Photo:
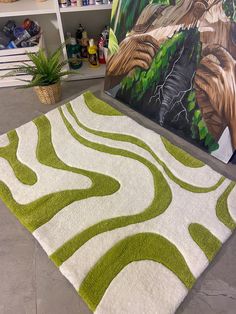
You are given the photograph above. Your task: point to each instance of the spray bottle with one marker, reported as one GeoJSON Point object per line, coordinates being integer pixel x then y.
{"type": "Point", "coordinates": [101, 55]}
{"type": "Point", "coordinates": [92, 54]}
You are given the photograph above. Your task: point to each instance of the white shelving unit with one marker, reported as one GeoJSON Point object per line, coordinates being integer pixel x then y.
{"type": "Point", "coordinates": [85, 72]}
{"type": "Point", "coordinates": [86, 8]}
{"type": "Point", "coordinates": [56, 22]}
{"type": "Point", "coordinates": [26, 7]}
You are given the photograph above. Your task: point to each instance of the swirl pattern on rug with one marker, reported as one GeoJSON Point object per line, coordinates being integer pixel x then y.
{"type": "Point", "coordinates": [130, 219]}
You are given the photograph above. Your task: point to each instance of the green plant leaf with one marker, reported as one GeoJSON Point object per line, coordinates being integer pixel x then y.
{"type": "Point", "coordinates": [32, 83]}
{"type": "Point", "coordinates": [64, 73]}
{"type": "Point", "coordinates": [58, 52]}
{"type": "Point", "coordinates": [45, 70]}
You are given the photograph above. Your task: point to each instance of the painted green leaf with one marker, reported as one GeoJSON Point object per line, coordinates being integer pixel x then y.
{"type": "Point", "coordinates": [197, 115]}
{"type": "Point", "coordinates": [114, 8]}
{"type": "Point", "coordinates": [191, 105]}
{"type": "Point", "coordinates": [113, 43]}
{"type": "Point", "coordinates": [209, 139]}
{"type": "Point", "coordinates": [229, 7]}
{"type": "Point", "coordinates": [203, 132]}
{"type": "Point", "coordinates": [213, 147]}
{"type": "Point", "coordinates": [191, 96]}
{"type": "Point", "coordinates": [158, 68]}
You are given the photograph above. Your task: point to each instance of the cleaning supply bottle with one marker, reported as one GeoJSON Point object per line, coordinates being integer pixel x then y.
{"type": "Point", "coordinates": [73, 3]}
{"type": "Point", "coordinates": [105, 34]}
{"type": "Point", "coordinates": [75, 60]}
{"type": "Point", "coordinates": [32, 27]}
{"type": "Point", "coordinates": [79, 34]}
{"type": "Point", "coordinates": [92, 54]}
{"type": "Point", "coordinates": [8, 29]}
{"type": "Point", "coordinates": [101, 55]}
{"type": "Point", "coordinates": [84, 45]}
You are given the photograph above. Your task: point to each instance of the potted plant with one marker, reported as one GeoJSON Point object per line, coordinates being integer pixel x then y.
{"type": "Point", "coordinates": [46, 72]}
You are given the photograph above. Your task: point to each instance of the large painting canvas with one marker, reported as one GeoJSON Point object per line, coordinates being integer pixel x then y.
{"type": "Point", "coordinates": [175, 62]}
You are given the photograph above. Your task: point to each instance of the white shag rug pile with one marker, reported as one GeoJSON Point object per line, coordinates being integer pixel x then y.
{"type": "Point", "coordinates": [130, 219]}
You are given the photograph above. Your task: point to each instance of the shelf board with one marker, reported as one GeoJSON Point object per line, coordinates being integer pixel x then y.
{"type": "Point", "coordinates": [86, 72]}
{"type": "Point", "coordinates": [94, 7]}
{"type": "Point", "coordinates": [13, 81]}
{"type": "Point", "coordinates": [26, 7]}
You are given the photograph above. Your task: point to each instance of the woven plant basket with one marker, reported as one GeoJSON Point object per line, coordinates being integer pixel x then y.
{"type": "Point", "coordinates": [7, 1]}
{"type": "Point", "coordinates": [49, 95]}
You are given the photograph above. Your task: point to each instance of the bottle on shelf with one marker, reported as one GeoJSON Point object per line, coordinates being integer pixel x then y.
{"type": "Point", "coordinates": [105, 34]}
{"type": "Point", "coordinates": [74, 54]}
{"type": "Point", "coordinates": [73, 3]}
{"type": "Point", "coordinates": [84, 45]}
{"type": "Point", "coordinates": [79, 34]}
{"type": "Point", "coordinates": [64, 3]}
{"type": "Point", "coordinates": [101, 54]}
{"type": "Point", "coordinates": [8, 29]}
{"type": "Point", "coordinates": [92, 54]}
{"type": "Point", "coordinates": [80, 3]}
{"type": "Point", "coordinates": [25, 35]}
{"type": "Point", "coordinates": [21, 35]}
{"type": "Point", "coordinates": [32, 27]}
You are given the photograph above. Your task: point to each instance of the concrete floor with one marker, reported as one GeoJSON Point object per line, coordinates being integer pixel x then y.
{"type": "Point", "coordinates": [31, 284]}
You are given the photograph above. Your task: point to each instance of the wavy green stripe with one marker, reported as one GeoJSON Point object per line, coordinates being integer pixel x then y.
{"type": "Point", "coordinates": [209, 243]}
{"type": "Point", "coordinates": [46, 155]}
{"type": "Point", "coordinates": [9, 152]}
{"type": "Point", "coordinates": [98, 106]}
{"type": "Point", "coordinates": [142, 144]}
{"type": "Point", "coordinates": [161, 201]}
{"type": "Point", "coordinates": [222, 210]}
{"type": "Point", "coordinates": [142, 246]}
{"type": "Point", "coordinates": [182, 156]}
{"type": "Point", "coordinates": [40, 211]}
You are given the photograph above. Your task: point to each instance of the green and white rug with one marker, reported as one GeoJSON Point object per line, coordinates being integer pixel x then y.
{"type": "Point", "coordinates": [130, 219]}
